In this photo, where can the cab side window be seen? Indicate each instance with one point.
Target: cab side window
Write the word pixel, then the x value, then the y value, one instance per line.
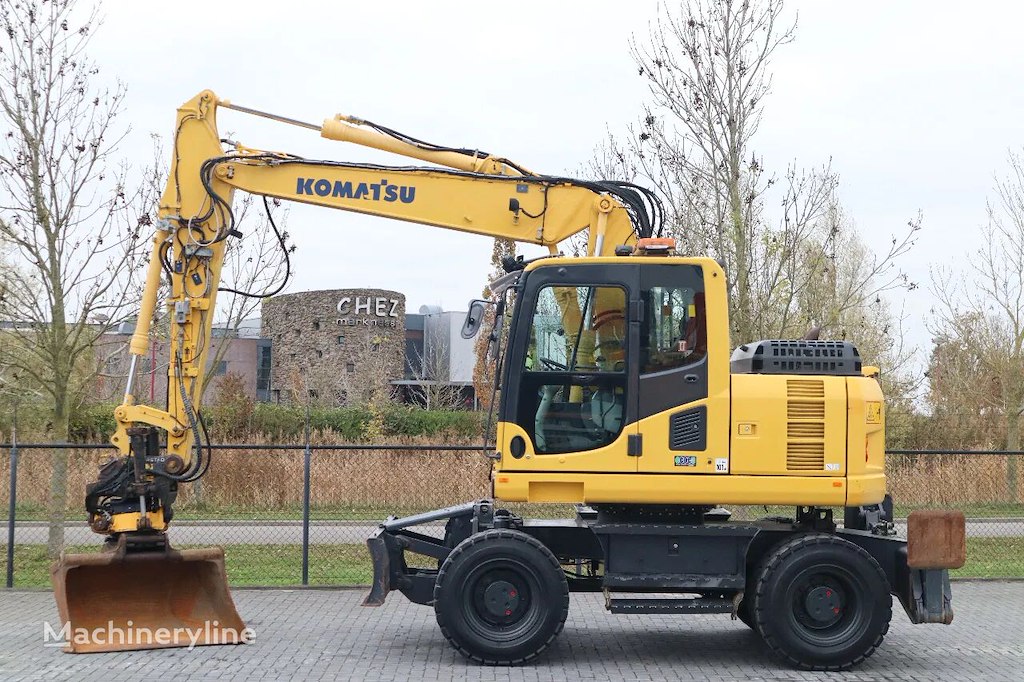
pixel 675 333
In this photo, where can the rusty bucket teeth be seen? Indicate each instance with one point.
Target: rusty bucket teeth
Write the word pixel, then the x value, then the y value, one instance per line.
pixel 122 601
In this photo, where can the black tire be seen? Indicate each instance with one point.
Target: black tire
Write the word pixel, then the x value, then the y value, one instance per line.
pixel 501 597
pixel 745 613
pixel 822 603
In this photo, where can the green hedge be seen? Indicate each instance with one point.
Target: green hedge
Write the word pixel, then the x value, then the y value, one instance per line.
pixel 95 423
pixel 92 423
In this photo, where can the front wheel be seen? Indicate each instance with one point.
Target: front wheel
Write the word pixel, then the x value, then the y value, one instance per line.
pixel 822 603
pixel 501 597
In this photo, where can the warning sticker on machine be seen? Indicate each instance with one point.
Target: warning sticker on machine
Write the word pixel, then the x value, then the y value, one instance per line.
pixel 832 466
pixel 722 464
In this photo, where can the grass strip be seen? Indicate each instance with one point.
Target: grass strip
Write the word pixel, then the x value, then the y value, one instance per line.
pixel 349 564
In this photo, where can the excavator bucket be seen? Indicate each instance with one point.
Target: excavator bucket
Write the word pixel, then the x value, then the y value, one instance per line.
pixel 120 601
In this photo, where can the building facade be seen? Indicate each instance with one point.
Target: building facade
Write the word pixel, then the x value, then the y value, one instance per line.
pixel 236 352
pixel 337 347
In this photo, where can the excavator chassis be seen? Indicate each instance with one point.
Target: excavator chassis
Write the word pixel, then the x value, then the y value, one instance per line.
pixel 140 593
pixel 711 564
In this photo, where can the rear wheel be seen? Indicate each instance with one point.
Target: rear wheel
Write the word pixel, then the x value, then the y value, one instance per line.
pixel 501 597
pixel 822 603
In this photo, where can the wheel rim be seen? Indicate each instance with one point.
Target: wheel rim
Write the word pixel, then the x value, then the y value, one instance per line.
pixel 500 601
pixel 828 606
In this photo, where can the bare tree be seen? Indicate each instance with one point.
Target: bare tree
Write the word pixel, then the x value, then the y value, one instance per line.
pixel 981 312
pixel 843 296
pixel 706 69
pixel 707 66
pixel 67 213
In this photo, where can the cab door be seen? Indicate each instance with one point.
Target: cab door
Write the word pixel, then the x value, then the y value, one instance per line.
pixel 569 398
pixel 683 406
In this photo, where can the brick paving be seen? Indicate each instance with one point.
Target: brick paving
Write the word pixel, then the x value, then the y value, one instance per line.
pixel 325 634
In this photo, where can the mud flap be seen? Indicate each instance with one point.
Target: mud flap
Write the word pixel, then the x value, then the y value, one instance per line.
pixel 122 600
pixel 381 569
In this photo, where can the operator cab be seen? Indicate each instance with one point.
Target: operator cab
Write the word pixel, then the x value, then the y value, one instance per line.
pixel 595 347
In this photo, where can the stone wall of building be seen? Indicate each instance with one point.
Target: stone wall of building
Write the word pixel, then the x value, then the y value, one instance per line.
pixel 340 346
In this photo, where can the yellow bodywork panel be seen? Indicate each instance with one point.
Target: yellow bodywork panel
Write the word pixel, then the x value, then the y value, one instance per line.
pixel 714 459
pixel 610 458
pixel 129 521
pixel 668 489
pixel 865 441
pixel 787 424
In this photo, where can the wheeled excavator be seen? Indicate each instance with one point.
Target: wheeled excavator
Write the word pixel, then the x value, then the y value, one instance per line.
pixel 619 394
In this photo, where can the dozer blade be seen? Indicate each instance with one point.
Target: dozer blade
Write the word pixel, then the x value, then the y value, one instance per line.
pixel 122 601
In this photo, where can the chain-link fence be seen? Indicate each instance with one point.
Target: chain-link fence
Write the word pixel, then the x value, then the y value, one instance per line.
pixel 295 514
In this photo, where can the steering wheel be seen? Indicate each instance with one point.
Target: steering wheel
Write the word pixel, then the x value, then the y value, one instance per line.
pixel 553 365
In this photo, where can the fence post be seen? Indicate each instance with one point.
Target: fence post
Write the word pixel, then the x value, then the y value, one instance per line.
pixel 1011 478
pixel 13 499
pixel 305 502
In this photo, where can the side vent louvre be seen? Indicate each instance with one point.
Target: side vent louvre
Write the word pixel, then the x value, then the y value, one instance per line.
pixel 805 428
pixel 806 410
pixel 688 430
pixel 798 388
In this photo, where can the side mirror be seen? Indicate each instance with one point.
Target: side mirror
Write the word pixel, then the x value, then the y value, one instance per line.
pixel 474 318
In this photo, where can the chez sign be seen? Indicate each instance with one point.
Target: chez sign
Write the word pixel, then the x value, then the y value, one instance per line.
pixel 369 311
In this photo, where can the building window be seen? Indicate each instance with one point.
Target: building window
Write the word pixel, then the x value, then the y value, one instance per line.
pixel 413 358
pixel 263 368
pixel 221 369
pixel 350 368
pixel 341 339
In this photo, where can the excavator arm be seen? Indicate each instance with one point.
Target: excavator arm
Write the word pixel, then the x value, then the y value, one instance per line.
pixel 481 195
pixel 131 502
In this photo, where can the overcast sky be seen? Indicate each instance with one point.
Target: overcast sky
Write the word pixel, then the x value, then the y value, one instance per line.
pixel 916 103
